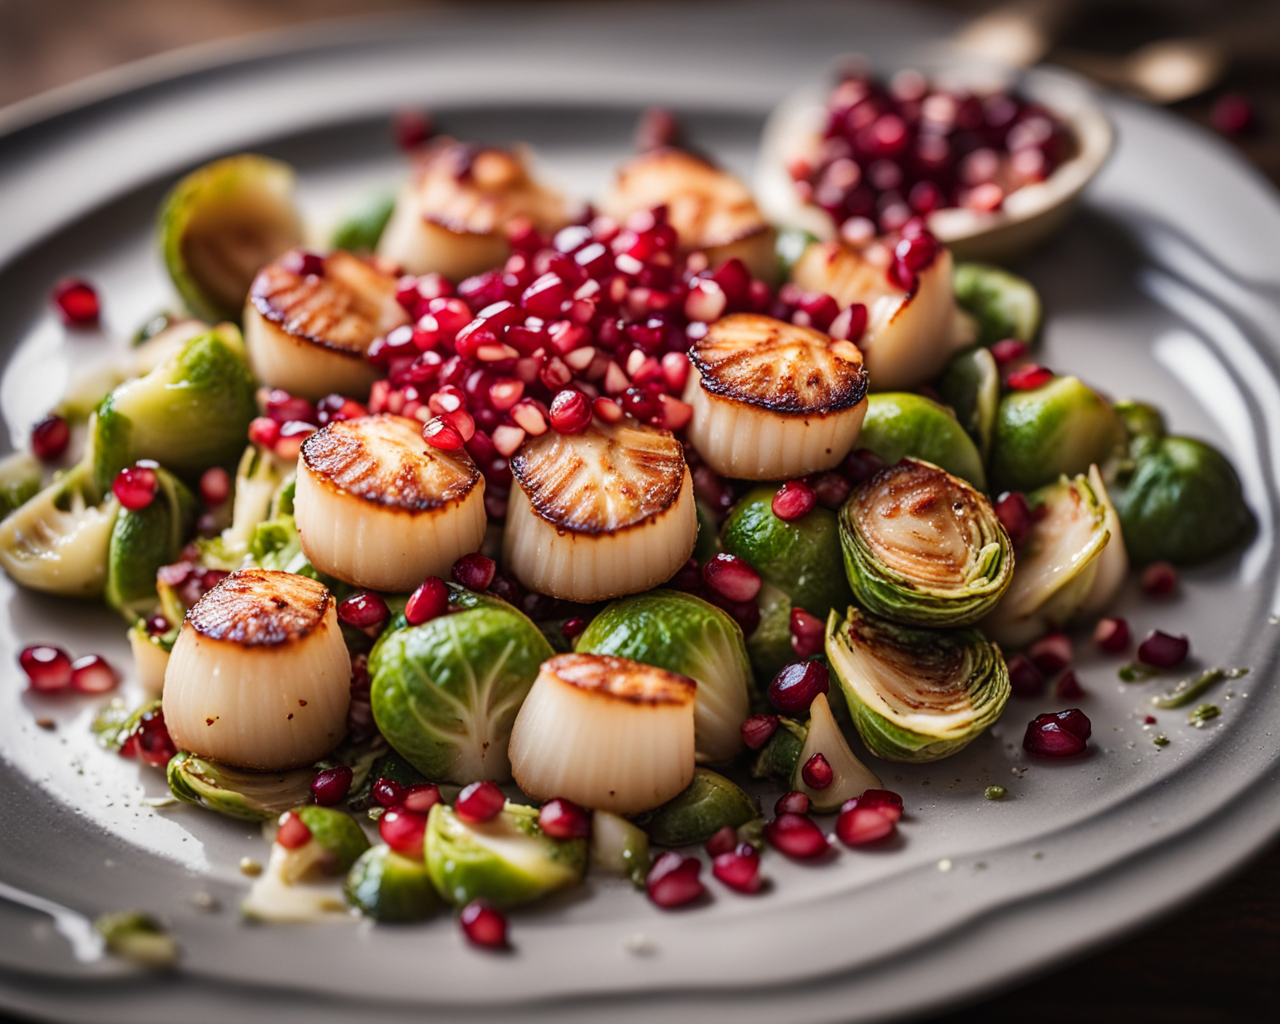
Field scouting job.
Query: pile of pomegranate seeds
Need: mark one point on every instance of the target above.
(1162, 650)
(135, 486)
(332, 785)
(892, 152)
(49, 438)
(429, 601)
(293, 832)
(287, 420)
(483, 924)
(480, 801)
(76, 302)
(673, 880)
(1061, 734)
(150, 741)
(563, 819)
(797, 836)
(51, 670)
(794, 688)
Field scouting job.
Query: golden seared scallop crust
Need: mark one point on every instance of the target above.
(621, 678)
(261, 608)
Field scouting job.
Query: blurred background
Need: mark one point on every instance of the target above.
(1216, 63)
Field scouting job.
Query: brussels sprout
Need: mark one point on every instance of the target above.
(790, 246)
(971, 386)
(390, 887)
(1057, 564)
(257, 480)
(221, 224)
(20, 475)
(619, 846)
(58, 540)
(901, 424)
(133, 935)
(1060, 428)
(685, 634)
(708, 543)
(336, 843)
(275, 896)
(916, 695)
(1113, 563)
(849, 776)
(1141, 421)
(1005, 305)
(235, 792)
(110, 722)
(445, 693)
(769, 645)
(145, 539)
(708, 804)
(1182, 502)
(188, 414)
(924, 548)
(507, 860)
(779, 757)
(363, 225)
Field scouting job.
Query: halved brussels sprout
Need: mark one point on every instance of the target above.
(188, 414)
(916, 695)
(364, 224)
(1004, 304)
(1113, 563)
(849, 776)
(508, 859)
(390, 887)
(236, 792)
(336, 843)
(685, 634)
(445, 693)
(901, 424)
(257, 481)
(708, 804)
(924, 548)
(971, 386)
(223, 222)
(143, 540)
(779, 758)
(769, 645)
(1060, 428)
(1057, 564)
(58, 540)
(619, 846)
(277, 897)
(135, 936)
(20, 475)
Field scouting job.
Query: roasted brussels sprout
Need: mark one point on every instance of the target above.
(1060, 428)
(683, 633)
(916, 695)
(769, 645)
(336, 843)
(390, 887)
(143, 540)
(708, 804)
(900, 424)
(922, 547)
(1113, 563)
(619, 846)
(364, 224)
(780, 757)
(1004, 304)
(971, 386)
(220, 224)
(284, 892)
(258, 480)
(236, 792)
(19, 480)
(446, 693)
(849, 776)
(508, 859)
(135, 936)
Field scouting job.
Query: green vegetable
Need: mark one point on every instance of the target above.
(916, 695)
(769, 645)
(1136, 672)
(257, 481)
(364, 224)
(390, 887)
(620, 847)
(685, 634)
(1188, 690)
(971, 386)
(133, 935)
(19, 480)
(445, 694)
(336, 843)
(145, 539)
(995, 792)
(900, 424)
(1142, 422)
(1060, 428)
(790, 246)
(109, 722)
(779, 757)
(221, 224)
(508, 859)
(707, 804)
(1203, 714)
(1005, 305)
(849, 777)
(1161, 740)
(250, 796)
(708, 544)
(924, 548)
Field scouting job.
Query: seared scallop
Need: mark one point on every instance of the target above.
(378, 507)
(259, 676)
(773, 401)
(452, 216)
(599, 514)
(309, 321)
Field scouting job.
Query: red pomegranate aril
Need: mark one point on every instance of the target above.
(364, 611)
(794, 802)
(215, 485)
(443, 435)
(1015, 516)
(462, 422)
(547, 297)
(135, 487)
(303, 262)
(796, 835)
(484, 924)
(570, 411)
(858, 825)
(850, 324)
(862, 464)
(817, 310)
(1051, 653)
(673, 880)
(292, 434)
(474, 571)
(1163, 650)
(429, 601)
(293, 832)
(411, 128)
(573, 628)
(607, 409)
(1008, 351)
(675, 414)
(757, 730)
(264, 431)
(92, 674)
(731, 577)
(795, 499)
(705, 302)
(563, 819)
(389, 793)
(1233, 114)
(421, 797)
(76, 302)
(283, 407)
(403, 831)
(817, 773)
(479, 801)
(151, 741)
(1060, 734)
(1112, 635)
(1028, 378)
(885, 801)
(157, 624)
(831, 489)
(739, 869)
(723, 840)
(794, 688)
(1068, 687)
(1025, 680)
(331, 785)
(47, 668)
(807, 633)
(49, 438)
(508, 439)
(1159, 579)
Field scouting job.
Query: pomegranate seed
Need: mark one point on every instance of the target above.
(484, 924)
(292, 434)
(675, 371)
(1057, 735)
(389, 793)
(794, 802)
(705, 302)
(1025, 680)
(403, 831)
(364, 611)
(293, 832)
(504, 394)
(1015, 516)
(547, 297)
(850, 324)
(607, 409)
(570, 411)
(1112, 635)
(264, 431)
(1068, 687)
(862, 464)
(92, 674)
(796, 835)
(807, 633)
(479, 801)
(474, 571)
(49, 438)
(303, 262)
(462, 422)
(675, 413)
(858, 825)
(724, 840)
(1008, 351)
(411, 128)
(443, 435)
(794, 688)
(817, 773)
(1163, 650)
(429, 601)
(331, 785)
(757, 730)
(421, 797)
(47, 668)
(1233, 114)
(1159, 579)
(673, 880)
(731, 577)
(1051, 653)
(563, 819)
(831, 489)
(508, 439)
(215, 485)
(1028, 378)
(135, 487)
(150, 741)
(157, 624)
(794, 500)
(739, 869)
(885, 801)
(573, 628)
(528, 414)
(77, 302)
(283, 407)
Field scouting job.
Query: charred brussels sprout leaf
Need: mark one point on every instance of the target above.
(142, 541)
(708, 804)
(337, 838)
(390, 887)
(900, 425)
(1004, 304)
(249, 796)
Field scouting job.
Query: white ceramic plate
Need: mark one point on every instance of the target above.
(1166, 286)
